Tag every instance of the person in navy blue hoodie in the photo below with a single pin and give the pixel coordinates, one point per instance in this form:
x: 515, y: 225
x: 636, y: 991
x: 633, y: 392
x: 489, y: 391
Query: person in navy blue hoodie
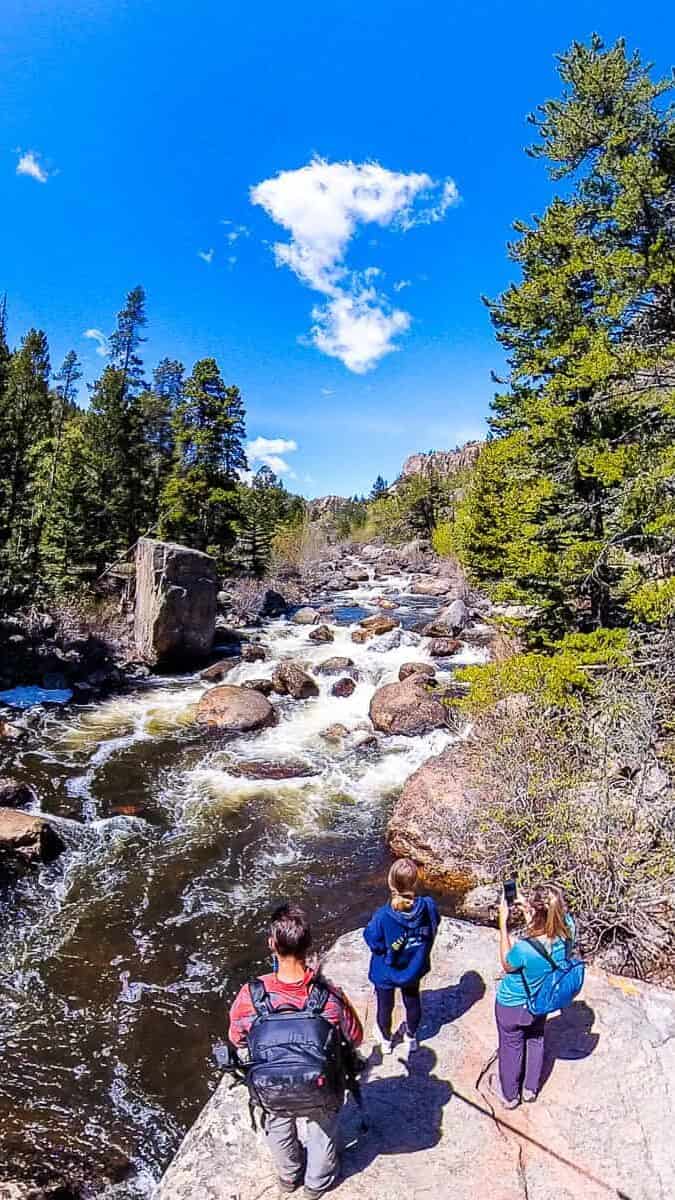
x: 400, y: 936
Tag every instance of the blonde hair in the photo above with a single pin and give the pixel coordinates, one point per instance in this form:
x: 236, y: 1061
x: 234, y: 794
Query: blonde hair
x: 403, y: 884
x: 548, y: 911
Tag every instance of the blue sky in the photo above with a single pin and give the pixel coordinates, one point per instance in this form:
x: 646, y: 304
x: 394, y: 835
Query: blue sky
x: 174, y: 144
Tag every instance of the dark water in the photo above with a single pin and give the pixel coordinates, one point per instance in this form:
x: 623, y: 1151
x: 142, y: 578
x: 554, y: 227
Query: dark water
x: 120, y: 959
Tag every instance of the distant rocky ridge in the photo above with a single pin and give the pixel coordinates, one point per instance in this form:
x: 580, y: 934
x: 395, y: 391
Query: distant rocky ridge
x: 326, y: 506
x: 442, y: 462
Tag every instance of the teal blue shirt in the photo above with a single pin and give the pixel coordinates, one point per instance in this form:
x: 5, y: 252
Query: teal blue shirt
x: 529, y: 962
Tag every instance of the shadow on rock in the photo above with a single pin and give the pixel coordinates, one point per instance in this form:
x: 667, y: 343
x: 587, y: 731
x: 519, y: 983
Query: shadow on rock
x: 441, y: 1006
x: 403, y: 1114
x: 569, y: 1036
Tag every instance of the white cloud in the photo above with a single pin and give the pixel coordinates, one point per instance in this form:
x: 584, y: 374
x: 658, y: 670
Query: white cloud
x: 327, y: 391
x: 206, y: 255
x: 268, y: 451
x: 401, y: 284
x: 29, y: 164
x: 96, y: 336
x: 322, y: 205
x: 235, y: 232
x: 232, y: 260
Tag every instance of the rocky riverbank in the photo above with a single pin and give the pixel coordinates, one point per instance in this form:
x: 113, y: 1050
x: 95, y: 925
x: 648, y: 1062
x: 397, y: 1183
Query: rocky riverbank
x: 597, y: 1130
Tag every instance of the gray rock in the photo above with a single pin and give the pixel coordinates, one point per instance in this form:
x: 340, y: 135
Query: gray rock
x: 456, y: 616
x: 29, y: 838
x: 336, y: 666
x: 218, y: 670
x: 259, y: 685
x: 591, y: 1135
x: 176, y: 591
x: 416, y: 668
x: 306, y: 616
x: 343, y: 688
x: 321, y: 634
x: 430, y: 586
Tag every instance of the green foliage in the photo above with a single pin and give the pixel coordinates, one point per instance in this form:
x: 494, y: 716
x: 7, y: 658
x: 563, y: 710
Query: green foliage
x: 443, y: 539
x: 379, y: 488
x: 576, y: 488
x: 555, y: 679
x: 264, y: 507
x: 654, y: 602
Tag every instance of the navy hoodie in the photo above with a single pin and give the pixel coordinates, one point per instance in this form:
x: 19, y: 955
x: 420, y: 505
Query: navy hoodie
x: 413, y: 932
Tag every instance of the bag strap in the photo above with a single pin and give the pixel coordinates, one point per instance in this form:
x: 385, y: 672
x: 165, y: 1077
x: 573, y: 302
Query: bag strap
x: 318, y: 997
x: 260, y: 998
x: 541, y: 949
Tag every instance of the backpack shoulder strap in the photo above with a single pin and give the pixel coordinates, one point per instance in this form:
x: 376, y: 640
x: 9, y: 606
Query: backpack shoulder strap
x: 541, y: 949
x: 260, y: 998
x: 318, y: 997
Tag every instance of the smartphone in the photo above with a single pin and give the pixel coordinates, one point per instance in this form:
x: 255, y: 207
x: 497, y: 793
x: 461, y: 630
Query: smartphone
x: 510, y: 890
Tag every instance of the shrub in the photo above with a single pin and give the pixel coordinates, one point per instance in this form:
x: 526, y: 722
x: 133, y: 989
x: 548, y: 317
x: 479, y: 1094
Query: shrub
x: 442, y: 539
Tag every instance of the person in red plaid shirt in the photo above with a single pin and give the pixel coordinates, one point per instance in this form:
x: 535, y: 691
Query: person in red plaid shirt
x: 290, y: 984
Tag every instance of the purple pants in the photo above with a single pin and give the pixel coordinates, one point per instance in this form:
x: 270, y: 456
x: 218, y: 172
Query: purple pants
x: 411, y: 1002
x: 521, y: 1037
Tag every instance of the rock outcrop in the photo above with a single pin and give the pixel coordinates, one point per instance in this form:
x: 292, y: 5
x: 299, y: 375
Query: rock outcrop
x: 235, y: 709
x: 433, y: 1128
x: 407, y: 708
x: 416, y: 668
x: 175, y: 615
x: 442, y: 462
x: 436, y: 819
x: 27, y: 838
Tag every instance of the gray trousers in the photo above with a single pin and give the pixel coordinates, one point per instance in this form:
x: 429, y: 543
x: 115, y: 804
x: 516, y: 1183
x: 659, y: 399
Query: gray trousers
x: 285, y: 1146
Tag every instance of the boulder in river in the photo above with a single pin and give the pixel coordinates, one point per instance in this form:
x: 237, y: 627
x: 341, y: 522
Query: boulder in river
x: 436, y: 819
x: 175, y: 614
x: 273, y: 604
x: 306, y: 616
x: 259, y: 685
x: 416, y: 668
x: 589, y: 1136
x: 235, y: 709
x: 456, y: 616
x: 378, y: 624
x: 431, y: 586
x: 356, y: 574
x: 262, y: 769
x: 336, y: 666
x: 407, y: 708
x: 443, y: 647
x: 218, y: 670
x: 343, y: 687
x: 322, y: 633
x: 27, y: 837
x: 253, y: 652
x: 15, y: 794
x: 436, y: 629
x: 290, y: 679
x: 335, y: 733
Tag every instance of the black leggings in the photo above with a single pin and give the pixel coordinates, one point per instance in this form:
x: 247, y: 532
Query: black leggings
x: 385, y: 1008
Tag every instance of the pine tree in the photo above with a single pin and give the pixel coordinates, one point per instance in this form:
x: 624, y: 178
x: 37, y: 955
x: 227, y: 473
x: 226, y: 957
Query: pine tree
x: 590, y: 334
x: 199, y: 500
x: 66, y: 554
x: 379, y: 488
x: 158, y: 406
x: 117, y: 439
x: 26, y: 421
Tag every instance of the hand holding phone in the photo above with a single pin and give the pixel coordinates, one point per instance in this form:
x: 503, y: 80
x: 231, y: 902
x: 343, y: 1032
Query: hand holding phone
x: 510, y: 890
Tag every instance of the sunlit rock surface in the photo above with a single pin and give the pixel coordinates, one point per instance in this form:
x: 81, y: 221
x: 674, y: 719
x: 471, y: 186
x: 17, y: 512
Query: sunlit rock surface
x: 600, y: 1128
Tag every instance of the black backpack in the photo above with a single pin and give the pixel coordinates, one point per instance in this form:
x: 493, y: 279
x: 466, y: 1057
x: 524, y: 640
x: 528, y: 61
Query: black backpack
x: 297, y: 1058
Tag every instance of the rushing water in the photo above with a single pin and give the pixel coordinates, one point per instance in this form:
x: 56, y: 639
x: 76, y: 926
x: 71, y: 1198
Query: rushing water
x: 119, y: 959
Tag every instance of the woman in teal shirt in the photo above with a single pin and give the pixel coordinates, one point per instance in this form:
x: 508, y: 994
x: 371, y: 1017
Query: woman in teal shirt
x: 521, y: 1035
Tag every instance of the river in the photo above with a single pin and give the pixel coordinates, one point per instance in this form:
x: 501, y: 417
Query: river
x: 119, y: 959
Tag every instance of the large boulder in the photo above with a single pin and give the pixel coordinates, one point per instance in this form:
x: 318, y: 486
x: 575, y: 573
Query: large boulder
x: 430, y: 586
x: 416, y: 668
x: 263, y: 769
x: 175, y: 614
x: 27, y: 837
x: 443, y: 647
x: 431, y: 1125
x: 437, y: 818
x: 456, y: 616
x: 377, y: 625
x: 322, y: 633
x: 218, y: 670
x: 336, y: 666
x: 407, y: 708
x: 235, y: 709
x: 343, y: 688
x: 306, y: 616
x: 290, y: 679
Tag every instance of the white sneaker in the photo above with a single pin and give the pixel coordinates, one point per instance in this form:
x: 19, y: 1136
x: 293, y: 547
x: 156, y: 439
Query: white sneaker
x: 386, y: 1045
x: 410, y: 1045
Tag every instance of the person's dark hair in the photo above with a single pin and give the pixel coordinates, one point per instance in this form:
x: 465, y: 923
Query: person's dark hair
x: 290, y: 930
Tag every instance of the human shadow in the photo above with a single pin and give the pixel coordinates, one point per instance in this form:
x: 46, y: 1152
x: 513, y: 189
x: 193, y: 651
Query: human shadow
x: 441, y: 1006
x: 568, y: 1036
x: 400, y: 1114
